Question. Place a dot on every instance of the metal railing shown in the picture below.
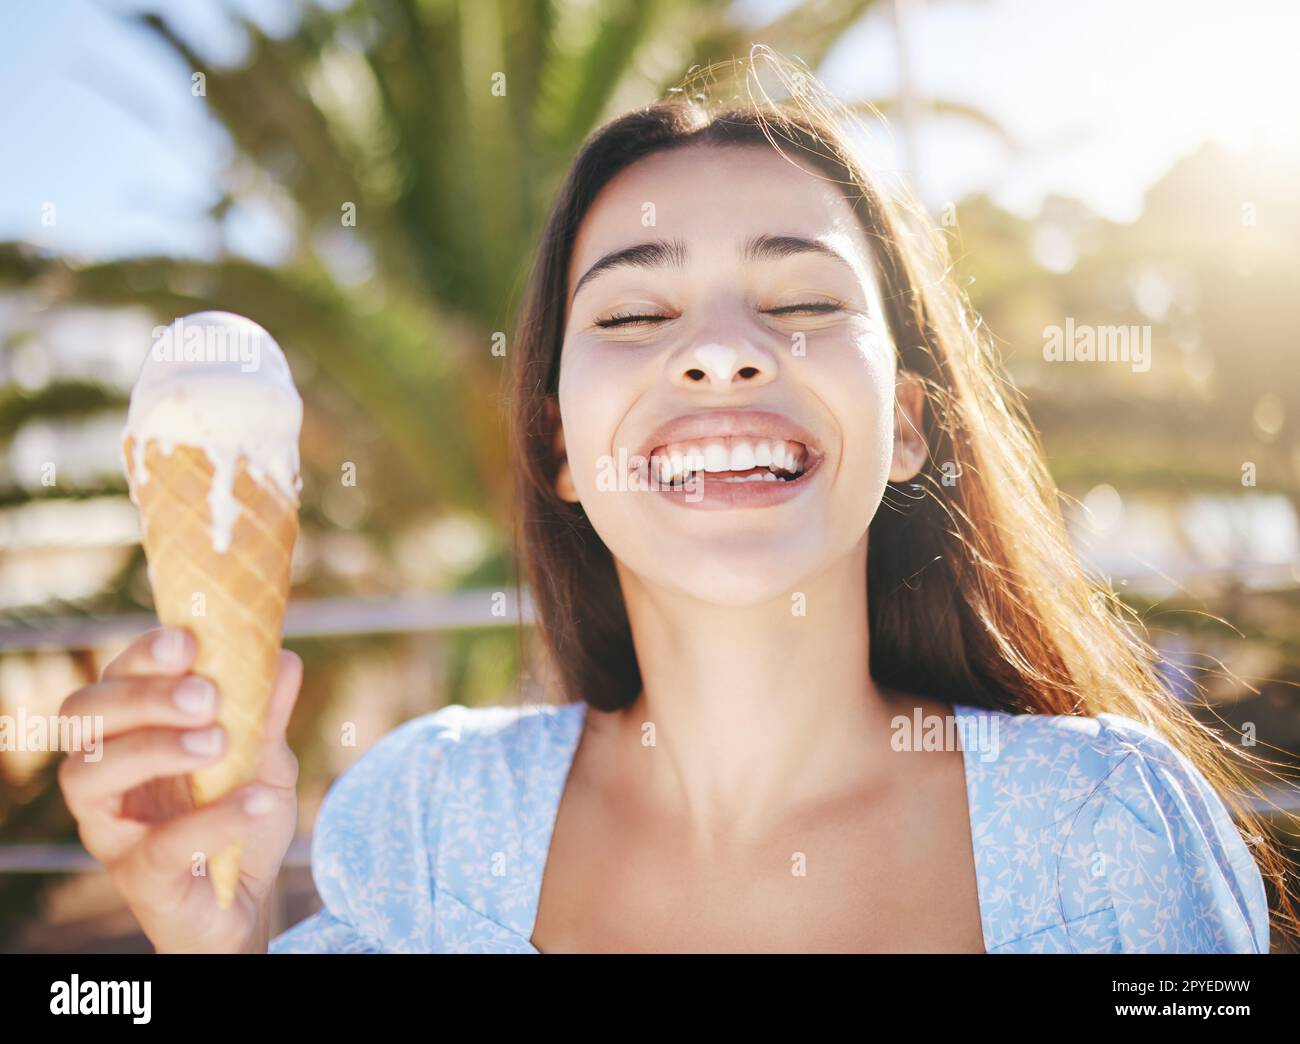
(320, 618)
(69, 858)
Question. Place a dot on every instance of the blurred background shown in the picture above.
(1110, 164)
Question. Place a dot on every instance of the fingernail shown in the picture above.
(258, 801)
(205, 742)
(168, 648)
(195, 695)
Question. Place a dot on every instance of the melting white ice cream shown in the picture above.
(219, 382)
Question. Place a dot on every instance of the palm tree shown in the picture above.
(411, 150)
(420, 143)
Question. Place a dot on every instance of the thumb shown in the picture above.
(277, 765)
(288, 680)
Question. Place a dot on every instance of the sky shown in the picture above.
(1102, 97)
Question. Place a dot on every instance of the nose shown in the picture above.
(716, 365)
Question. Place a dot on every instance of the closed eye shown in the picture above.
(806, 308)
(803, 308)
(630, 319)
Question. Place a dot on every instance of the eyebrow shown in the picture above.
(658, 253)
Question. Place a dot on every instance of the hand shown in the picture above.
(133, 807)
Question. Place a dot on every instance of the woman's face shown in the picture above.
(727, 382)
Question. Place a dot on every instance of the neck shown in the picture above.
(758, 710)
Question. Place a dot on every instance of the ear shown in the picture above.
(564, 487)
(910, 446)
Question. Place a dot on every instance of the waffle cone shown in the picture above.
(232, 601)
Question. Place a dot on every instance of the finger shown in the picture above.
(134, 758)
(166, 853)
(277, 763)
(123, 704)
(288, 680)
(106, 838)
(269, 837)
(168, 650)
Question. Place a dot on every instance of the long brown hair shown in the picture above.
(974, 593)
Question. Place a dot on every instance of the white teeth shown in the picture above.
(788, 457)
(675, 463)
(742, 456)
(716, 457)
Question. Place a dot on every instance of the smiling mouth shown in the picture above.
(732, 459)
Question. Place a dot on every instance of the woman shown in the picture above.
(744, 384)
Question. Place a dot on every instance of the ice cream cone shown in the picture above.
(211, 455)
(232, 600)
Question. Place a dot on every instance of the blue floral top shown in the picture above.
(1090, 835)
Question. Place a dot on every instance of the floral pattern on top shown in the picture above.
(1090, 835)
